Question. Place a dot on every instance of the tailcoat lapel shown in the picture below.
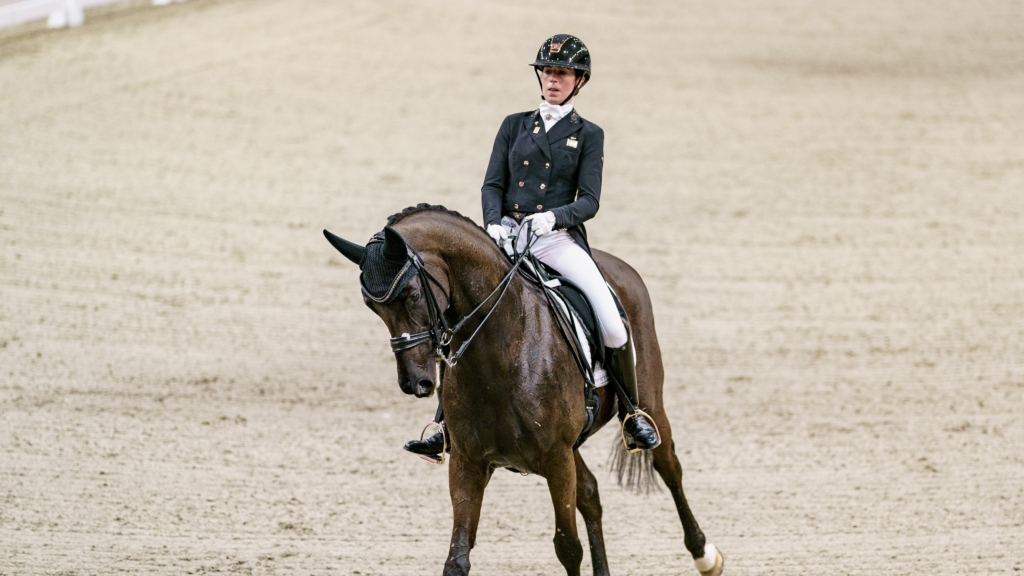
(531, 121)
(564, 128)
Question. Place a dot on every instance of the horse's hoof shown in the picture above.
(704, 565)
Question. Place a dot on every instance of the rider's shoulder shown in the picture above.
(589, 128)
(520, 116)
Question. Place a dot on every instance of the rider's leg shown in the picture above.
(622, 364)
(559, 251)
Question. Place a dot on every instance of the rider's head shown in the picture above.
(563, 67)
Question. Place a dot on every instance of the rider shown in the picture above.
(545, 170)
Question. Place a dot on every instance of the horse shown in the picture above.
(515, 398)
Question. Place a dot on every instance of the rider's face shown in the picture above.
(557, 83)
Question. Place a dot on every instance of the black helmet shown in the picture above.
(564, 51)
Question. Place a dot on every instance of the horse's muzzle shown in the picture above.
(424, 388)
(421, 388)
(416, 372)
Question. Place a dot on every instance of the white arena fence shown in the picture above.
(58, 13)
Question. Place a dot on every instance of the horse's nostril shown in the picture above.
(424, 388)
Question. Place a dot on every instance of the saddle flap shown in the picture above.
(578, 302)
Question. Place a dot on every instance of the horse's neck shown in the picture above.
(474, 268)
(474, 279)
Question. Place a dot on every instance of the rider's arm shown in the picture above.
(588, 192)
(496, 178)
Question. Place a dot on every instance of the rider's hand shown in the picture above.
(543, 223)
(498, 232)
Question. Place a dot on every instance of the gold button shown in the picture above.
(516, 206)
(542, 186)
(521, 184)
(539, 207)
(526, 162)
(547, 164)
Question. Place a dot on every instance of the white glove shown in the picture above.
(498, 232)
(543, 223)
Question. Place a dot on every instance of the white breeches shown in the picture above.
(559, 251)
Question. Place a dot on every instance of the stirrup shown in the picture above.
(444, 436)
(633, 448)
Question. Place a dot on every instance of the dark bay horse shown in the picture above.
(515, 398)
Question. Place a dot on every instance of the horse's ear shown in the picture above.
(353, 252)
(394, 246)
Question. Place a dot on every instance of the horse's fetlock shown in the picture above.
(695, 544)
(457, 564)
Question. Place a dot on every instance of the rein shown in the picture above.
(439, 334)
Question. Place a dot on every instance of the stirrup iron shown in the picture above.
(633, 448)
(444, 436)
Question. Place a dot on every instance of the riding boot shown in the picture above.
(622, 364)
(432, 448)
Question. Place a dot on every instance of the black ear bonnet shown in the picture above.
(387, 267)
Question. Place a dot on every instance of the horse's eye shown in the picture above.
(414, 297)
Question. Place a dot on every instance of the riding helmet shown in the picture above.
(563, 51)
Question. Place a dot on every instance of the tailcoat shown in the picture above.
(532, 171)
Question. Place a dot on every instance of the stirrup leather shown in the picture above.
(444, 436)
(632, 448)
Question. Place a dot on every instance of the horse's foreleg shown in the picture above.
(561, 477)
(466, 483)
(589, 503)
(706, 557)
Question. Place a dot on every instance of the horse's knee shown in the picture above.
(588, 499)
(568, 548)
(591, 508)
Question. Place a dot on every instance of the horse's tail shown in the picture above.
(633, 472)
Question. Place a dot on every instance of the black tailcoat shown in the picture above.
(533, 171)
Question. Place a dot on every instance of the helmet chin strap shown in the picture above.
(576, 90)
(580, 81)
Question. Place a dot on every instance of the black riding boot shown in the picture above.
(430, 447)
(622, 365)
(434, 447)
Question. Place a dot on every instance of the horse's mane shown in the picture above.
(423, 207)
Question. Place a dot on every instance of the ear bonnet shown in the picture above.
(386, 266)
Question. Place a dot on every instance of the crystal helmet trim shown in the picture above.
(564, 51)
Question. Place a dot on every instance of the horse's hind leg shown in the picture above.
(561, 476)
(467, 481)
(589, 503)
(706, 557)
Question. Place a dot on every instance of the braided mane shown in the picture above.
(423, 207)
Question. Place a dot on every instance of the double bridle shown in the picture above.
(439, 334)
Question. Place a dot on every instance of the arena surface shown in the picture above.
(826, 200)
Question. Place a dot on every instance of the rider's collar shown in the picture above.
(552, 113)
